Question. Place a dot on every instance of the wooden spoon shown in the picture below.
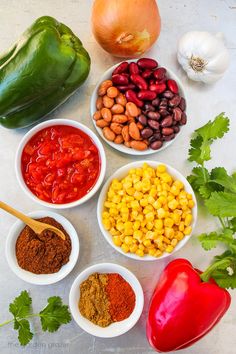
(37, 226)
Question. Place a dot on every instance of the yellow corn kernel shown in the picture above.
(138, 235)
(158, 224)
(147, 243)
(130, 191)
(128, 232)
(138, 195)
(174, 190)
(181, 226)
(125, 217)
(183, 202)
(166, 187)
(156, 181)
(124, 210)
(141, 247)
(161, 168)
(149, 225)
(176, 218)
(150, 200)
(144, 230)
(161, 213)
(153, 193)
(189, 196)
(132, 171)
(170, 197)
(133, 248)
(166, 240)
(188, 219)
(120, 226)
(151, 252)
(188, 230)
(166, 177)
(134, 205)
(134, 214)
(105, 215)
(114, 232)
(136, 225)
(139, 253)
(125, 248)
(173, 204)
(143, 202)
(106, 224)
(150, 235)
(179, 235)
(140, 217)
(146, 184)
(117, 240)
(169, 232)
(174, 242)
(178, 184)
(128, 240)
(191, 204)
(150, 216)
(157, 204)
(168, 222)
(162, 200)
(113, 211)
(127, 185)
(158, 253)
(169, 249)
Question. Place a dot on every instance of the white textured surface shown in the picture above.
(204, 102)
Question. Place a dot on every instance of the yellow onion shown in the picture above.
(126, 28)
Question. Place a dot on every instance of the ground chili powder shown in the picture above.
(45, 253)
(121, 297)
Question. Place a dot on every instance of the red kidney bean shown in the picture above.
(175, 123)
(168, 137)
(163, 103)
(158, 88)
(183, 119)
(123, 67)
(167, 121)
(168, 94)
(156, 102)
(172, 85)
(119, 79)
(182, 104)
(147, 63)
(154, 115)
(156, 145)
(175, 101)
(163, 112)
(146, 133)
(147, 95)
(133, 68)
(177, 114)
(142, 119)
(123, 88)
(154, 124)
(176, 129)
(159, 73)
(149, 107)
(132, 97)
(146, 74)
(167, 131)
(139, 81)
(152, 81)
(154, 137)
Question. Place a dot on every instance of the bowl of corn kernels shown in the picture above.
(147, 210)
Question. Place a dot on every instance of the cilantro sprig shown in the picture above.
(218, 191)
(52, 316)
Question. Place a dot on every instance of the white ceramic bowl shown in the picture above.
(121, 147)
(41, 279)
(50, 123)
(117, 328)
(121, 173)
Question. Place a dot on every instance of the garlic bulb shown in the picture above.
(203, 56)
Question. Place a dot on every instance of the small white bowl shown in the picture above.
(121, 147)
(47, 124)
(121, 173)
(41, 279)
(117, 328)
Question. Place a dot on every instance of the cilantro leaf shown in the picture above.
(24, 334)
(209, 241)
(225, 270)
(222, 204)
(203, 137)
(219, 175)
(21, 306)
(54, 314)
(232, 223)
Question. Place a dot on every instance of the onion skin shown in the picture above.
(126, 28)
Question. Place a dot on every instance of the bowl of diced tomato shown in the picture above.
(60, 163)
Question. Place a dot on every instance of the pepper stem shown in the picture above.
(223, 263)
(197, 64)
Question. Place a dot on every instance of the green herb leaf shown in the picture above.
(54, 314)
(209, 241)
(219, 175)
(222, 204)
(195, 150)
(24, 334)
(225, 272)
(21, 306)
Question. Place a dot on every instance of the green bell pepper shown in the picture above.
(40, 71)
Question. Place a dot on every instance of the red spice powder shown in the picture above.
(121, 297)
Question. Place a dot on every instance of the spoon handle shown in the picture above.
(16, 213)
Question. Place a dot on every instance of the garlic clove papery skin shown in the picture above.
(203, 56)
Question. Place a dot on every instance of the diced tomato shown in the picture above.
(60, 164)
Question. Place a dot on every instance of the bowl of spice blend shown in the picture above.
(46, 258)
(106, 300)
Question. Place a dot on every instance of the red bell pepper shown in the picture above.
(183, 307)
